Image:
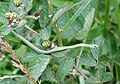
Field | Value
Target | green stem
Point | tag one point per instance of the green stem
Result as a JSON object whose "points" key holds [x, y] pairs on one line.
{"points": [[52, 50], [116, 3], [56, 24], [106, 16]]}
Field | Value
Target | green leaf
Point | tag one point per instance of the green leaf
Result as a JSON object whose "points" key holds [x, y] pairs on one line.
{"points": [[37, 63], [92, 80], [107, 77], [87, 25], [109, 46], [103, 76], [59, 13], [29, 56], [64, 68], [44, 17], [21, 51], [13, 8], [4, 30], [45, 33], [24, 10], [103, 61], [50, 75], [61, 53], [75, 15], [62, 2], [22, 80], [13, 39], [96, 52], [88, 60], [28, 5], [4, 7], [81, 79]]}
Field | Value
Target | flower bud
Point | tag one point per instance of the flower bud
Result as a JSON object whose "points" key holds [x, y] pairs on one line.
{"points": [[36, 16], [12, 17], [18, 3], [46, 44]]}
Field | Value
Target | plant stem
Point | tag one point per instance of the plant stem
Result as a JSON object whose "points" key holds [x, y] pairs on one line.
{"points": [[106, 16], [80, 72], [116, 4], [26, 26], [83, 1], [78, 59], [58, 32]]}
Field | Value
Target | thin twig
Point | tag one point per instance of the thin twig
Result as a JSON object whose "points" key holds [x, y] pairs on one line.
{"points": [[80, 72], [83, 1], [26, 26], [81, 50], [58, 32]]}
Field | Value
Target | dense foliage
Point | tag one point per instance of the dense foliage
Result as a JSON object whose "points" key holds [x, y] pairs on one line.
{"points": [[59, 42]]}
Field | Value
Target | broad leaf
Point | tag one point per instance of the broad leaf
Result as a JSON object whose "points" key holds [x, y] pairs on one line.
{"points": [[92, 80], [27, 6], [45, 33], [103, 76], [4, 7], [107, 77], [4, 30], [87, 25], [44, 17], [62, 2], [61, 53], [18, 80], [109, 45], [49, 75], [21, 51], [88, 60], [96, 52], [36, 63], [81, 79], [74, 20], [64, 68], [59, 13]]}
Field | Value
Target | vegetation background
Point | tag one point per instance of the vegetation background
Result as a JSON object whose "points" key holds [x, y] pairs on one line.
{"points": [[64, 23]]}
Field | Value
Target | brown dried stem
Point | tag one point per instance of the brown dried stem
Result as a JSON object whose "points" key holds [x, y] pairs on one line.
{"points": [[6, 47]]}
